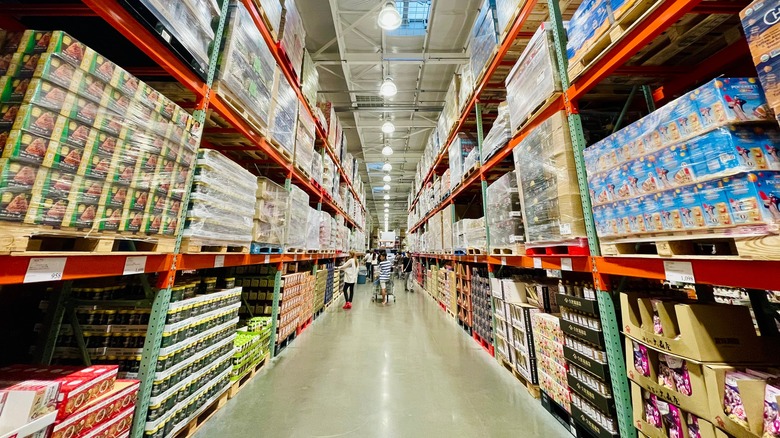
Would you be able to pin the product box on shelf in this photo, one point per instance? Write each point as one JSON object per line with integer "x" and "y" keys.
{"x": 762, "y": 31}
{"x": 283, "y": 114}
{"x": 483, "y": 38}
{"x": 704, "y": 332}
{"x": 25, "y": 400}
{"x": 657, "y": 418}
{"x": 272, "y": 11}
{"x": 99, "y": 410}
{"x": 292, "y": 38}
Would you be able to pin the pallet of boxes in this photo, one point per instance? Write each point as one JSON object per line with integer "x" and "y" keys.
{"x": 92, "y": 158}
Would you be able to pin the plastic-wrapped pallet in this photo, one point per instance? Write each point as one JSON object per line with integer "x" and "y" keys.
{"x": 434, "y": 228}
{"x": 283, "y": 113}
{"x": 446, "y": 230}
{"x": 272, "y": 11}
{"x": 466, "y": 86}
{"x": 506, "y": 10}
{"x": 471, "y": 161}
{"x": 504, "y": 212}
{"x": 589, "y": 22}
{"x": 475, "y": 234}
{"x": 483, "y": 39}
{"x": 297, "y": 215}
{"x": 313, "y": 229}
{"x": 533, "y": 79}
{"x": 316, "y": 168}
{"x": 449, "y": 115}
{"x": 460, "y": 148}
{"x": 191, "y": 22}
{"x": 311, "y": 79}
{"x": 292, "y": 39}
{"x": 64, "y": 163}
{"x": 328, "y": 174}
{"x": 304, "y": 141}
{"x": 246, "y": 70}
{"x": 222, "y": 202}
{"x": 547, "y": 180}
{"x": 270, "y": 212}
{"x": 325, "y": 230}
{"x": 500, "y": 133}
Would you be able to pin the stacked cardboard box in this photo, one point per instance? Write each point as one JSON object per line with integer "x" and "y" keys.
{"x": 551, "y": 364}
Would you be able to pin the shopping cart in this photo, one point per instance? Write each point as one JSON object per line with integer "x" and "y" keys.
{"x": 378, "y": 291}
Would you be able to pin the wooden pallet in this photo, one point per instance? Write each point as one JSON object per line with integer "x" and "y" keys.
{"x": 483, "y": 343}
{"x": 294, "y": 250}
{"x": 577, "y": 246}
{"x": 230, "y": 99}
{"x": 194, "y": 246}
{"x": 532, "y": 389}
{"x": 196, "y": 423}
{"x": 467, "y": 174}
{"x": 306, "y": 172}
{"x": 268, "y": 25}
{"x": 265, "y": 248}
{"x": 632, "y": 13}
{"x": 474, "y": 251}
{"x": 766, "y": 247}
{"x": 508, "y": 250}
{"x": 21, "y": 239}
{"x": 239, "y": 384}
{"x": 538, "y": 110}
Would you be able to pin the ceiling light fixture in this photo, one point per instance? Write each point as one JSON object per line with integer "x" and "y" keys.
{"x": 387, "y": 204}
{"x": 387, "y": 150}
{"x": 386, "y": 187}
{"x": 386, "y": 210}
{"x": 388, "y": 88}
{"x": 388, "y": 127}
{"x": 387, "y": 167}
{"x": 389, "y": 18}
{"x": 387, "y": 197}
{"x": 387, "y": 178}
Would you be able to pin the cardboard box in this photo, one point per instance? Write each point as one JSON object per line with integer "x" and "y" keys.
{"x": 703, "y": 332}
{"x": 115, "y": 427}
{"x": 762, "y": 32}
{"x": 26, "y": 401}
{"x": 752, "y": 395}
{"x": 99, "y": 411}
{"x": 513, "y": 291}
{"x": 667, "y": 419}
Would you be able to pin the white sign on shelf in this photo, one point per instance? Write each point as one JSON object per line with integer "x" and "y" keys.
{"x": 45, "y": 269}
{"x": 134, "y": 265}
{"x": 219, "y": 261}
{"x": 679, "y": 272}
{"x": 503, "y": 261}
{"x": 267, "y": 259}
{"x": 554, "y": 273}
{"x": 475, "y": 259}
{"x": 566, "y": 264}
{"x": 537, "y": 263}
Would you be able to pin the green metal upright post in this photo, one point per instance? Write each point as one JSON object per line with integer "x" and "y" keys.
{"x": 47, "y": 341}
{"x": 608, "y": 314}
{"x": 162, "y": 299}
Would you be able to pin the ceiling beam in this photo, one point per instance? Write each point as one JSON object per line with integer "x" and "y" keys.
{"x": 356, "y": 58}
{"x": 354, "y": 24}
{"x": 399, "y": 124}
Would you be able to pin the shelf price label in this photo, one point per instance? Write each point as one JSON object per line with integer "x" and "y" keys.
{"x": 267, "y": 259}
{"x": 475, "y": 259}
{"x": 134, "y": 265}
{"x": 45, "y": 269}
{"x": 503, "y": 261}
{"x": 679, "y": 272}
{"x": 566, "y": 264}
{"x": 554, "y": 273}
{"x": 219, "y": 261}
{"x": 537, "y": 263}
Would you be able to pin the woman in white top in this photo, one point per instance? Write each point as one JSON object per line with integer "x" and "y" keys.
{"x": 350, "y": 268}
{"x": 369, "y": 260}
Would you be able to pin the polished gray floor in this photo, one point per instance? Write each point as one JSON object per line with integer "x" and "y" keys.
{"x": 405, "y": 370}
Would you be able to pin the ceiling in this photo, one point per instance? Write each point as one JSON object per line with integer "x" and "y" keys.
{"x": 353, "y": 54}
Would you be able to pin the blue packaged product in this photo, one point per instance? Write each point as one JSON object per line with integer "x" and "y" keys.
{"x": 771, "y": 148}
{"x": 691, "y": 213}
{"x": 590, "y": 21}
{"x": 620, "y": 212}
{"x": 715, "y": 204}
{"x": 635, "y": 214}
{"x": 725, "y": 100}
{"x": 728, "y": 150}
{"x": 669, "y": 210}
{"x": 650, "y": 213}
{"x": 599, "y": 219}
{"x": 754, "y": 198}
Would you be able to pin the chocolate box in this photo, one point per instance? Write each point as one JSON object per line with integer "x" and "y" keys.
{"x": 27, "y": 400}
{"x": 99, "y": 411}
{"x": 658, "y": 419}
{"x": 751, "y": 395}
{"x": 703, "y": 332}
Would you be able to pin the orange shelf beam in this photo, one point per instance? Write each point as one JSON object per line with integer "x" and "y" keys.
{"x": 80, "y": 266}
{"x": 203, "y": 261}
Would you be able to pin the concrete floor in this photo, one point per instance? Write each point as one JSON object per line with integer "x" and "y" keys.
{"x": 405, "y": 370}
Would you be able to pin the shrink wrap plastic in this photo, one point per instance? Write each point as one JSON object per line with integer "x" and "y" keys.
{"x": 270, "y": 212}
{"x": 500, "y": 133}
{"x": 85, "y": 145}
{"x": 504, "y": 212}
{"x": 284, "y": 114}
{"x": 297, "y": 216}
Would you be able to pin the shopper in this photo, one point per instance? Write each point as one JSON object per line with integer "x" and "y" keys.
{"x": 350, "y": 268}
{"x": 375, "y": 263}
{"x": 369, "y": 260}
{"x": 385, "y": 269}
{"x": 407, "y": 261}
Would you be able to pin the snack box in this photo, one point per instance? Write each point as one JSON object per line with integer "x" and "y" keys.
{"x": 17, "y": 174}
{"x": 115, "y": 427}
{"x": 754, "y": 197}
{"x": 14, "y": 203}
{"x": 99, "y": 411}
{"x": 25, "y": 146}
{"x": 656, "y": 418}
{"x": 703, "y": 332}
{"x": 27, "y": 400}
{"x": 725, "y": 100}
{"x": 761, "y": 31}
{"x": 739, "y": 400}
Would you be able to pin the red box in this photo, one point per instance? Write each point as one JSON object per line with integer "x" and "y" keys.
{"x": 113, "y": 428}
{"x": 99, "y": 411}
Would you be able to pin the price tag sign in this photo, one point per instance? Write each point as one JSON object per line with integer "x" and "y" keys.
{"x": 267, "y": 259}
{"x": 503, "y": 261}
{"x": 680, "y": 272}
{"x": 566, "y": 264}
{"x": 554, "y": 273}
{"x": 219, "y": 261}
{"x": 537, "y": 263}
{"x": 475, "y": 259}
{"x": 45, "y": 269}
{"x": 295, "y": 257}
{"x": 134, "y": 265}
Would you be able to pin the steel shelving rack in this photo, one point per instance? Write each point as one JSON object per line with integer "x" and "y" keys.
{"x": 751, "y": 274}
{"x": 89, "y": 265}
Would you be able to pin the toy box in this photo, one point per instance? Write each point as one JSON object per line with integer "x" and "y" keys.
{"x": 657, "y": 418}
{"x": 704, "y": 332}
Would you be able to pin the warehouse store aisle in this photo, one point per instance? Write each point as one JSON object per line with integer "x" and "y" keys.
{"x": 405, "y": 370}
